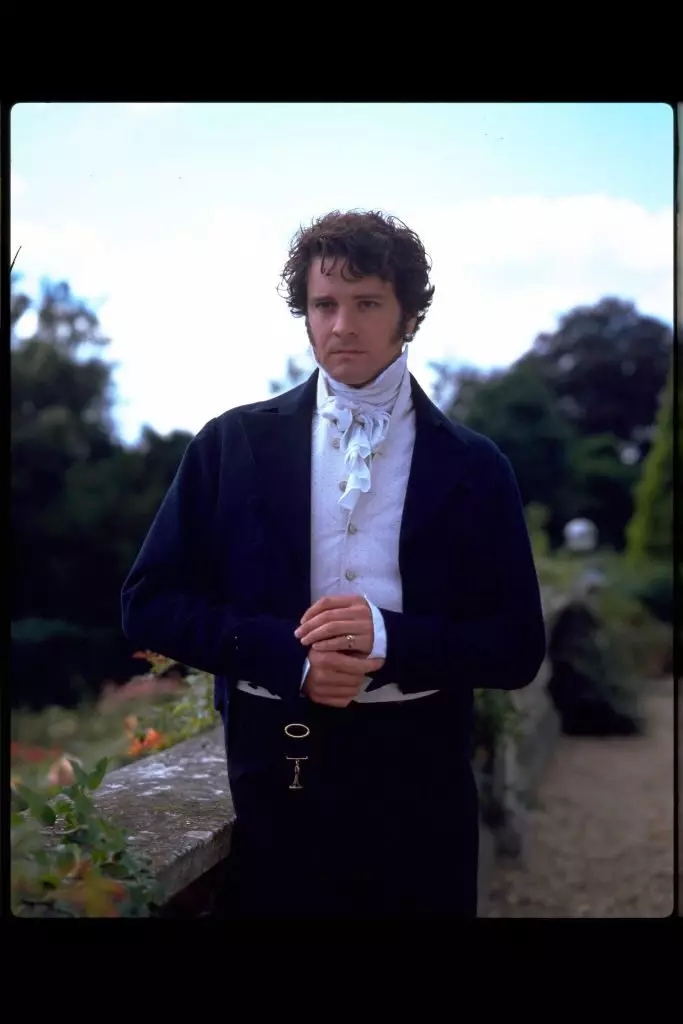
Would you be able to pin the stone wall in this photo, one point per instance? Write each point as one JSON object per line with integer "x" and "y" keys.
{"x": 176, "y": 806}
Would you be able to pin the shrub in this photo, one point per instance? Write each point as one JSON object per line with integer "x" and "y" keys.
{"x": 650, "y": 532}
{"x": 69, "y": 861}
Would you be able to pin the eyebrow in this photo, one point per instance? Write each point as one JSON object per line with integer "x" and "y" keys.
{"x": 330, "y": 298}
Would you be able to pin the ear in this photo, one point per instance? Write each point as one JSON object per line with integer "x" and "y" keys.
{"x": 410, "y": 326}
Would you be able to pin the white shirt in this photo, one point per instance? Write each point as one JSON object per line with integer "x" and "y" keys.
{"x": 357, "y": 552}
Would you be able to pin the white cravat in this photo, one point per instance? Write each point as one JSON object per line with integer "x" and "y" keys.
{"x": 363, "y": 416}
{"x": 352, "y": 534}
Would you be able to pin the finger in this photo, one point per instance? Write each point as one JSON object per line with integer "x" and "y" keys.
{"x": 331, "y": 702}
{"x": 327, "y": 603}
{"x": 332, "y": 630}
{"x": 353, "y": 614}
{"x": 350, "y": 665}
{"x": 361, "y": 645}
{"x": 324, "y": 604}
{"x": 336, "y": 690}
{"x": 334, "y": 626}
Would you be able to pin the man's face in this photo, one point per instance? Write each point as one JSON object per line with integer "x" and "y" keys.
{"x": 353, "y": 324}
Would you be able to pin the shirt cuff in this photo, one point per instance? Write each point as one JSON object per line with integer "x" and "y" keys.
{"x": 379, "y": 648}
{"x": 307, "y": 665}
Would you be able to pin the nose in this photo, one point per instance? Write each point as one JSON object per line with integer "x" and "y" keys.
{"x": 344, "y": 323}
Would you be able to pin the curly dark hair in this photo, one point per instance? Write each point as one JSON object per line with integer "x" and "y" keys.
{"x": 372, "y": 244}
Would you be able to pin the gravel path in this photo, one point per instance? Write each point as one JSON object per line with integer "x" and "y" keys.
{"x": 600, "y": 841}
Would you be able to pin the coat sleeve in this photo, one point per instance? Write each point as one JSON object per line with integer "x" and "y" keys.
{"x": 166, "y": 600}
{"x": 504, "y": 647}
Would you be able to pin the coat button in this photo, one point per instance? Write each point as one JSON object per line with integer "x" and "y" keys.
{"x": 342, "y": 485}
{"x": 350, "y": 574}
{"x": 353, "y": 528}
{"x": 335, "y": 442}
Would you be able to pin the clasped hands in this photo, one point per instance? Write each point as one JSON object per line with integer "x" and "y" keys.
{"x": 336, "y": 670}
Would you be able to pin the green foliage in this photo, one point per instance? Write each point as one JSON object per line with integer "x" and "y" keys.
{"x": 182, "y": 717}
{"x": 495, "y": 714}
{"x": 537, "y": 517}
{"x": 80, "y": 499}
{"x": 59, "y": 662}
{"x": 608, "y": 636}
{"x": 95, "y": 730}
{"x": 516, "y": 410}
{"x": 565, "y": 412}
{"x": 606, "y": 365}
{"x": 636, "y": 645}
{"x": 67, "y": 860}
{"x": 650, "y": 532}
{"x": 602, "y": 486}
{"x": 80, "y": 866}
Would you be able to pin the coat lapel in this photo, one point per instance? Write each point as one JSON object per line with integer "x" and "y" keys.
{"x": 279, "y": 434}
{"x": 439, "y": 466}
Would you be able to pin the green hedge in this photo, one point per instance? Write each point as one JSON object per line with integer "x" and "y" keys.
{"x": 59, "y": 662}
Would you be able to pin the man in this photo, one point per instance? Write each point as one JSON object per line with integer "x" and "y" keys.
{"x": 350, "y": 565}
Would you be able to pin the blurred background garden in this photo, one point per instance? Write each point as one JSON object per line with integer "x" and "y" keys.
{"x": 584, "y": 409}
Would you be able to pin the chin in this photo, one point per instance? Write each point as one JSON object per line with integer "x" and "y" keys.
{"x": 352, "y": 380}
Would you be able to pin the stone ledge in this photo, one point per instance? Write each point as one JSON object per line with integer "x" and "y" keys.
{"x": 175, "y": 807}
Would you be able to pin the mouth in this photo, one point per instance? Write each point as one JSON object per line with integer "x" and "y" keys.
{"x": 348, "y": 352}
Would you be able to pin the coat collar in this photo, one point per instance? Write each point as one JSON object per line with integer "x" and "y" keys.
{"x": 279, "y": 433}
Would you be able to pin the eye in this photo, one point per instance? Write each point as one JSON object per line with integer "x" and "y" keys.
{"x": 322, "y": 304}
{"x": 369, "y": 302}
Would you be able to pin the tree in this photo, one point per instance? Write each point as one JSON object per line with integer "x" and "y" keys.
{"x": 606, "y": 365}
{"x": 81, "y": 502}
{"x": 650, "y": 532}
{"x": 60, "y": 416}
{"x": 517, "y": 411}
{"x": 601, "y": 487}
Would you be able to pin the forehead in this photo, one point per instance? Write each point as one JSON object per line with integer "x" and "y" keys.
{"x": 337, "y": 280}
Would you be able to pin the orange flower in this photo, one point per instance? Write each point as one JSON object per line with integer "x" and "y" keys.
{"x": 151, "y": 741}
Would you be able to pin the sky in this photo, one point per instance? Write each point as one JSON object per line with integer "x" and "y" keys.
{"x": 174, "y": 222}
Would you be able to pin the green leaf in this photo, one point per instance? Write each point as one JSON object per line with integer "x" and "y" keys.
{"x": 51, "y": 879}
{"x": 47, "y": 815}
{"x": 81, "y": 776}
{"x": 35, "y": 802}
{"x": 19, "y": 802}
{"x": 92, "y": 834}
{"x": 41, "y": 858}
{"x": 83, "y": 805}
{"x": 98, "y": 773}
{"x": 29, "y": 795}
{"x": 63, "y": 804}
{"x": 114, "y": 837}
{"x": 65, "y": 855}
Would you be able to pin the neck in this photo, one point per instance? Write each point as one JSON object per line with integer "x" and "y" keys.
{"x": 358, "y": 387}
{"x": 367, "y": 383}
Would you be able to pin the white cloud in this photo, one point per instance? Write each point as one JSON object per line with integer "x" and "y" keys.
{"x": 147, "y": 108}
{"x": 198, "y": 326}
{"x": 17, "y": 186}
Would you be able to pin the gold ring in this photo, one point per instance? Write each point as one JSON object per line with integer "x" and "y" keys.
{"x": 297, "y": 725}
{"x": 350, "y": 637}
